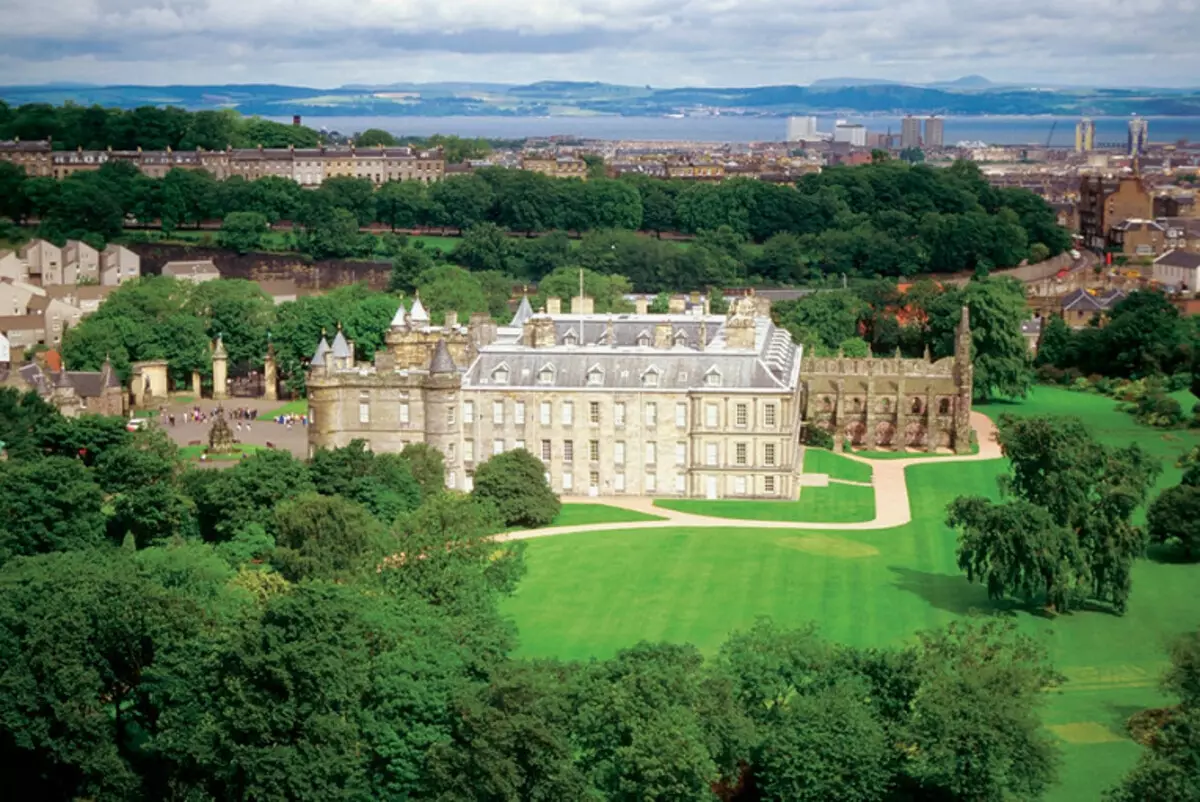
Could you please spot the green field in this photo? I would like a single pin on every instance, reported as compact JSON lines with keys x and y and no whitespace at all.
{"x":591,"y":594}
{"x":818,"y":460}
{"x":579,"y":514}
{"x":297,"y":407}
{"x":837,"y":503}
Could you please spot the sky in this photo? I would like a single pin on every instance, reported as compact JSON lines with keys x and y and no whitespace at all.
{"x":329,"y":43}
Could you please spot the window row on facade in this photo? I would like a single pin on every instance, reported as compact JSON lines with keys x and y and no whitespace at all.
{"x":597,"y":482}
{"x":502,"y":412}
{"x":739,"y":454}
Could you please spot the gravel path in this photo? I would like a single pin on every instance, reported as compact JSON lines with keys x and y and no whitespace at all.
{"x":891,"y":498}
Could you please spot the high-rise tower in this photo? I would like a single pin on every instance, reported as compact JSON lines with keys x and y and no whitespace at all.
{"x":1085,"y":136}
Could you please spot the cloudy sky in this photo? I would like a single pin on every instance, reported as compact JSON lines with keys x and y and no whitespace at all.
{"x":660,"y":42}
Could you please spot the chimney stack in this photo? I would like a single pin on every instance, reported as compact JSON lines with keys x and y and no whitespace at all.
{"x":642,"y":306}
{"x":451,"y":319}
{"x":553,"y":306}
{"x":663,"y":335}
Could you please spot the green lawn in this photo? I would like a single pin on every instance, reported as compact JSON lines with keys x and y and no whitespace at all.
{"x":591,"y":594}
{"x":909,"y":454}
{"x":818,"y":460}
{"x":837,"y":503}
{"x":193,"y":452}
{"x":297,"y":407}
{"x":578,"y":514}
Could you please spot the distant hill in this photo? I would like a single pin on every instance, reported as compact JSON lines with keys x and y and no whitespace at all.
{"x":968,"y":95}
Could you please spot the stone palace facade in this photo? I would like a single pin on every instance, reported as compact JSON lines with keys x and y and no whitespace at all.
{"x":687,"y":405}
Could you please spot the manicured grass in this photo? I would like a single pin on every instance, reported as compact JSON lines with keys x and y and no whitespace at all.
{"x":194,"y":452}
{"x":589,"y":595}
{"x":818,"y":460}
{"x":579,"y":514}
{"x":297,"y":407}
{"x":837,"y":503}
{"x":909,"y":454}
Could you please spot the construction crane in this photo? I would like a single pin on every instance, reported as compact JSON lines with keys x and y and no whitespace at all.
{"x":1050,"y":135}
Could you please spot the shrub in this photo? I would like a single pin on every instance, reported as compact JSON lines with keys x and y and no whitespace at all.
{"x":817,"y":437}
{"x":515,"y":482}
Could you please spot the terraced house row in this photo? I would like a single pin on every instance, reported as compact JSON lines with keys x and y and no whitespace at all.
{"x":306,"y":166}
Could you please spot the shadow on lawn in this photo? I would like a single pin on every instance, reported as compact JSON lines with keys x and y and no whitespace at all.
{"x":952,"y":593}
{"x":1170,"y":554}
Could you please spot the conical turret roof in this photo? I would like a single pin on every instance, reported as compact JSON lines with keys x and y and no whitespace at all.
{"x":322,"y":349}
{"x":524,"y":312}
{"x":398,"y":319}
{"x":442,"y":361}
{"x":418,"y":314}
{"x":341,"y":348}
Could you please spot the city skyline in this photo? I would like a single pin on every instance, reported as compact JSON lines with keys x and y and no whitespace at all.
{"x":663,"y":43}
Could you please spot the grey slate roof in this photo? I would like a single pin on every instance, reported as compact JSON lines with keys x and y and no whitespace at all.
{"x":629,"y":330}
{"x":1082,"y":300}
{"x":1178,"y":258}
{"x":524,"y":312}
{"x":442,"y":361}
{"x":322,"y":349}
{"x":341,"y":348}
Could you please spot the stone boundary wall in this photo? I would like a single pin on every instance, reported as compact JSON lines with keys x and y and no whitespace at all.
{"x":310,"y":277}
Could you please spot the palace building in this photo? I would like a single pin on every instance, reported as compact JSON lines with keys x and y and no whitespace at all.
{"x":690,"y":405}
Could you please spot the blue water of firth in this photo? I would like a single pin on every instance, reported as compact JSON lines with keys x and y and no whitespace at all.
{"x":997,"y":130}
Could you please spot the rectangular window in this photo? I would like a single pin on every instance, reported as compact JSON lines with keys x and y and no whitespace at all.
{"x":739,"y":452}
{"x":681,"y":453}
{"x":451,"y":480}
{"x":594,"y":413}
{"x":364,"y":413}
{"x":742,"y":415}
{"x":619,"y":452}
{"x":519,"y":412}
{"x":710,"y":415}
{"x":568,"y":413}
{"x":497,"y":412}
{"x":769,"y":454}
{"x":769,"y":415}
{"x":497,"y":447}
{"x":468,"y":450}
{"x":769,"y":484}
{"x":619,"y":482}
{"x":568,"y":450}
{"x":651,"y":453}
{"x":468,"y":412}
{"x":680,"y":483}
{"x":710,"y":453}
{"x":594,"y":480}
{"x":681,"y":415}
{"x":519,"y":445}
{"x":594,"y":450}
{"x":451,"y":416}
{"x":547,"y":411}
{"x":404,"y":412}
{"x":545,"y":451}
{"x":451,"y":452}
{"x":739,"y":485}
{"x":568,"y":482}
{"x":619,"y":413}
{"x":651,"y":483}
{"x":651,"y":414}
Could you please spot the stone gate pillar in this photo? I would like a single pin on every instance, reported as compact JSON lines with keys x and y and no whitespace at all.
{"x":270,"y":392}
{"x":220,"y":370}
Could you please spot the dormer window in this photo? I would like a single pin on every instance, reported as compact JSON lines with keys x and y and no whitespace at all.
{"x":546,"y":375}
{"x":643,"y":339}
{"x":571,"y":338}
{"x":595,"y":375}
{"x":650,"y":378}
{"x":681,"y":338}
{"x":500,"y":375}
{"x":713,"y":378}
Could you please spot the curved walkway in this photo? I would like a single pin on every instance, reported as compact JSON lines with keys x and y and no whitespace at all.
{"x":892,"y":507}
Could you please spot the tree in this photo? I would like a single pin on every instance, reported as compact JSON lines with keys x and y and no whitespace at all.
{"x":373,"y":137}
{"x":1017,"y":549}
{"x":484,"y":246}
{"x":446,"y":287}
{"x":227,"y":501}
{"x":355,"y":195}
{"x":330,"y":232}
{"x":407,"y":268}
{"x":1174,"y":517}
{"x":1090,"y":489}
{"x":460,"y":201}
{"x":999,"y":352}
{"x":402,"y":204}
{"x":383,"y":483}
{"x":607,"y":292}
{"x":829,"y":317}
{"x":515,"y":482}
{"x":1056,"y":343}
{"x":243,"y":231}
{"x":428,"y":468}
{"x":79,"y":635}
{"x":50,"y":504}
{"x":826,"y":745}
{"x":973,"y":731}
{"x":323,"y":536}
